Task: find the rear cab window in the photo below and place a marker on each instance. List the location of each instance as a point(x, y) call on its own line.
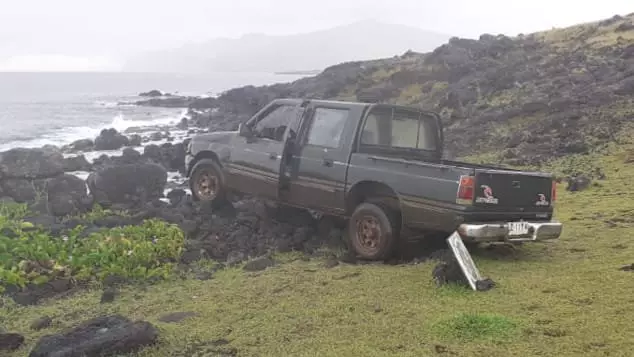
point(403, 132)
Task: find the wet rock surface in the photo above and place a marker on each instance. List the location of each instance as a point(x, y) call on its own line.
point(102, 336)
point(10, 341)
point(80, 145)
point(448, 271)
point(67, 195)
point(128, 184)
point(33, 294)
point(76, 163)
point(151, 93)
point(29, 164)
point(578, 183)
point(111, 139)
point(627, 267)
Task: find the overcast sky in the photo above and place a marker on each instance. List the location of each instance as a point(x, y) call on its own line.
point(98, 34)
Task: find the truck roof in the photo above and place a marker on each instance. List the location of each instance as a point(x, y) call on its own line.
point(355, 104)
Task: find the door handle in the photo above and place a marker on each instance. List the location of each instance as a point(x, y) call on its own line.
point(273, 156)
point(327, 162)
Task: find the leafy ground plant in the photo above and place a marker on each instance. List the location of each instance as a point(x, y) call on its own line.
point(28, 255)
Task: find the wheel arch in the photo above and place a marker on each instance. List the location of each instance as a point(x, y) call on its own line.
point(373, 191)
point(204, 154)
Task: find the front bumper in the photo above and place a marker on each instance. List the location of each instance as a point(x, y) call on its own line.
point(500, 232)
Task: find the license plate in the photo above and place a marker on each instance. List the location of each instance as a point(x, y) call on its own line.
point(518, 228)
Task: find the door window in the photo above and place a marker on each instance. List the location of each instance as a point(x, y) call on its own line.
point(273, 125)
point(327, 126)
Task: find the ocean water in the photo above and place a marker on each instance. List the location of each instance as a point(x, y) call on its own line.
point(37, 109)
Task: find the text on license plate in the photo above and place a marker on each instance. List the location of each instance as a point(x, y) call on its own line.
point(518, 228)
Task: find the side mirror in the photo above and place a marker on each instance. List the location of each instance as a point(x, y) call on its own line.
point(244, 130)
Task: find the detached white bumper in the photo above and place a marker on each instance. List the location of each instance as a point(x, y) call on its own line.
point(505, 232)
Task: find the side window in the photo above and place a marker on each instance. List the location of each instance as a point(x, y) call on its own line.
point(327, 127)
point(406, 130)
point(273, 125)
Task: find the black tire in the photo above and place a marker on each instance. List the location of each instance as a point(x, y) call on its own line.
point(369, 217)
point(199, 182)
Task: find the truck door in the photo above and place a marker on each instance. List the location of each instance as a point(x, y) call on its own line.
point(319, 163)
point(255, 162)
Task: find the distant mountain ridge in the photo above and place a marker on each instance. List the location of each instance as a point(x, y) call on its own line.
point(301, 52)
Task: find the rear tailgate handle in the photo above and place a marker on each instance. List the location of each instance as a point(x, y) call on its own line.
point(516, 184)
point(273, 155)
point(327, 162)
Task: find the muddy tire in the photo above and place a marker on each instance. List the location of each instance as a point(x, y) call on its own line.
point(207, 183)
point(372, 231)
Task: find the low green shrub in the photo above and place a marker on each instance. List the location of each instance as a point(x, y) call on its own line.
point(134, 252)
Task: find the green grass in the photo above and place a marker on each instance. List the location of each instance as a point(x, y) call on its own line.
point(477, 327)
point(566, 298)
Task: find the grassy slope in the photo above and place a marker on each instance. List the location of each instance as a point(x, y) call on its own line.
point(566, 298)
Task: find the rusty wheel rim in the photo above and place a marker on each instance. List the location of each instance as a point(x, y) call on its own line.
point(369, 233)
point(206, 186)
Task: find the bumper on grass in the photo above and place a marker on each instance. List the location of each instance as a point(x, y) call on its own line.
point(501, 232)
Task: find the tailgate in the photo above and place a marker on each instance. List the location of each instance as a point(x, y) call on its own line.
point(506, 189)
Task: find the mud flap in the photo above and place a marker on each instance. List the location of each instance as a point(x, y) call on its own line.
point(468, 267)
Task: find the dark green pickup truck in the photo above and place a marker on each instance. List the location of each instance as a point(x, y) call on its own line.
point(379, 165)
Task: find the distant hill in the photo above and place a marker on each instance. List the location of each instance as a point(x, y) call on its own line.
point(302, 52)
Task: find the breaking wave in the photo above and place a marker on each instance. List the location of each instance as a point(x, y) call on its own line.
point(70, 134)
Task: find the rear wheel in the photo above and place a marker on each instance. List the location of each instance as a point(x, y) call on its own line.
point(373, 230)
point(207, 182)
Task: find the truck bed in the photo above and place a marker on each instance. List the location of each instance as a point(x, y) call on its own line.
point(499, 194)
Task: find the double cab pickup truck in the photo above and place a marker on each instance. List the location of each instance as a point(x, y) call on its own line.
point(379, 166)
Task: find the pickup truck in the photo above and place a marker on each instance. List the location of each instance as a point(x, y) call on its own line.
point(379, 166)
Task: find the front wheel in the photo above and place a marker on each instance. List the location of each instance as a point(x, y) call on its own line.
point(372, 231)
point(207, 182)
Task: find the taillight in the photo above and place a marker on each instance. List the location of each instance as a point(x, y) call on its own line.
point(465, 190)
point(553, 193)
